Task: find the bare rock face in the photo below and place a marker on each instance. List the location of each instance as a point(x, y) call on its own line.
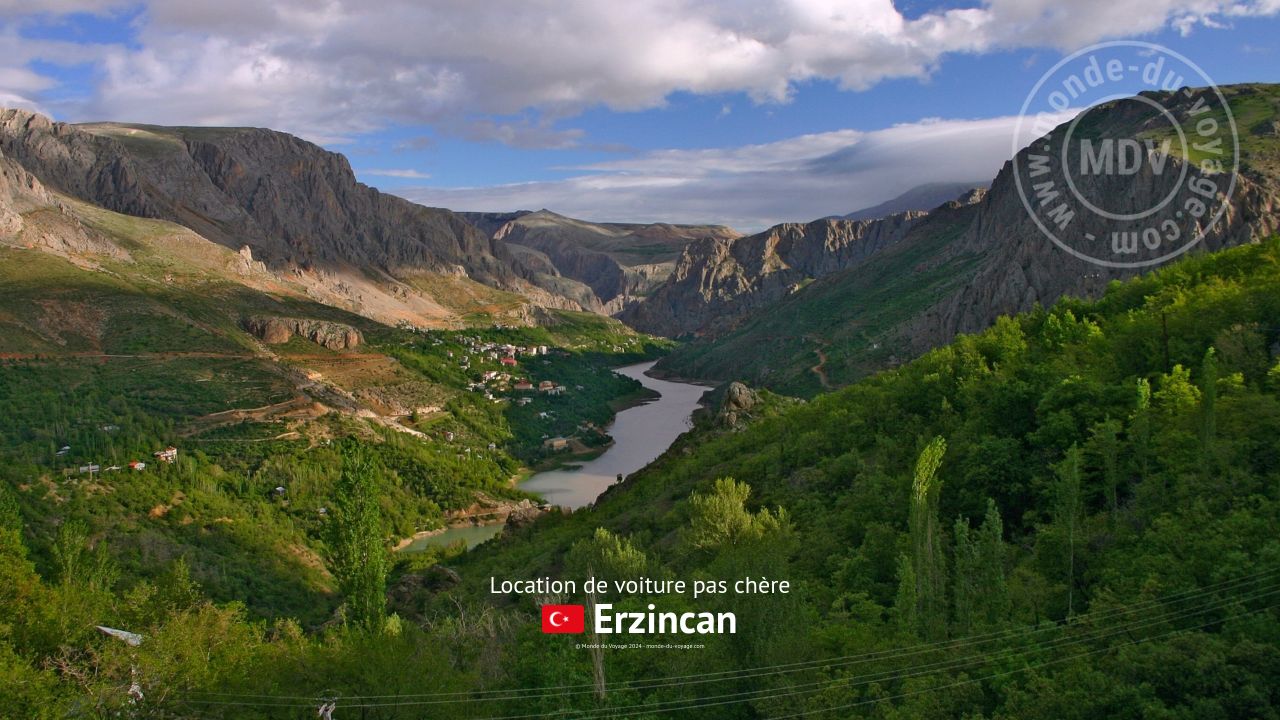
point(522, 517)
point(32, 217)
point(277, 330)
point(739, 401)
point(291, 202)
point(618, 262)
point(717, 282)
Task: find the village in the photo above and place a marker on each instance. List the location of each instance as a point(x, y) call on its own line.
point(514, 374)
point(168, 455)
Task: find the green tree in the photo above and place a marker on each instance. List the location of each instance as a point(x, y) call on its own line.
point(929, 563)
point(720, 518)
point(1208, 401)
point(1105, 443)
point(979, 590)
point(1068, 509)
point(358, 553)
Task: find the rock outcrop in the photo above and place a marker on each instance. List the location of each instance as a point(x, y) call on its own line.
point(292, 202)
point(278, 330)
point(618, 262)
point(962, 266)
point(717, 281)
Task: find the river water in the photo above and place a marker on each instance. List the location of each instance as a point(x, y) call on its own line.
point(640, 434)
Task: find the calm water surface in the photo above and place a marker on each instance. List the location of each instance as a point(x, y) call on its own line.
point(640, 434)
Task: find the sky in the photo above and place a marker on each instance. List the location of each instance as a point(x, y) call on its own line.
point(745, 113)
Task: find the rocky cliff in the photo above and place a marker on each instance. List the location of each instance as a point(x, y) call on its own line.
point(277, 330)
point(293, 203)
point(719, 281)
point(965, 264)
point(618, 262)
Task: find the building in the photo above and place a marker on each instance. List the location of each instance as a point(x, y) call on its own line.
point(168, 454)
point(137, 465)
point(555, 444)
point(524, 385)
point(508, 361)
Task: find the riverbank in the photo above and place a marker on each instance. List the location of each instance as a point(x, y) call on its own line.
point(648, 422)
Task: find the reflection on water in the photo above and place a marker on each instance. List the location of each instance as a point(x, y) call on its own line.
point(640, 435)
point(473, 534)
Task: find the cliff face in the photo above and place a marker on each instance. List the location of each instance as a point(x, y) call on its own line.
point(292, 202)
point(32, 217)
point(277, 330)
point(717, 282)
point(964, 265)
point(618, 262)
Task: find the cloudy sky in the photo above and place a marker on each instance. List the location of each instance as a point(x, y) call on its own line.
point(747, 112)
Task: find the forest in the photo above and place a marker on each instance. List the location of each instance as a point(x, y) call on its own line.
point(1069, 515)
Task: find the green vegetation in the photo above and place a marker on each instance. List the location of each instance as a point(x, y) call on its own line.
point(1126, 478)
point(778, 348)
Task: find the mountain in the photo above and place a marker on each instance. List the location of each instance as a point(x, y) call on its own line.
point(957, 271)
point(614, 263)
point(718, 281)
point(921, 197)
point(286, 203)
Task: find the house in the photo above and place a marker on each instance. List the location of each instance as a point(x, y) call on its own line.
point(91, 469)
point(524, 401)
point(556, 444)
point(63, 450)
point(556, 391)
point(508, 361)
point(545, 385)
point(137, 465)
point(542, 349)
point(524, 385)
point(168, 454)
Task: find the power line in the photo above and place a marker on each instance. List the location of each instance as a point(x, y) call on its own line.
point(746, 673)
point(910, 671)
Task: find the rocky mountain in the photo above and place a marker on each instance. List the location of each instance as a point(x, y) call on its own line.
point(921, 197)
point(615, 263)
point(959, 268)
point(718, 281)
point(296, 207)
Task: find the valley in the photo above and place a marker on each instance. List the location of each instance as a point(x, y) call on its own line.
point(280, 444)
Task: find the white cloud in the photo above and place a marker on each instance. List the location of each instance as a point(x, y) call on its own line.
point(395, 173)
point(333, 68)
point(754, 186)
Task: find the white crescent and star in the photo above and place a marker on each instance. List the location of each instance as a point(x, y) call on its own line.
point(552, 619)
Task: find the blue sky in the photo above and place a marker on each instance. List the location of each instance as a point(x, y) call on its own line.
point(689, 111)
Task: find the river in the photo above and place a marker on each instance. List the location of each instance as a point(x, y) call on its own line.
point(640, 434)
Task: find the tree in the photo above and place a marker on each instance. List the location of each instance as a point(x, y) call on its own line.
point(1106, 444)
point(1067, 511)
point(357, 551)
point(720, 518)
point(929, 563)
point(980, 593)
point(1208, 398)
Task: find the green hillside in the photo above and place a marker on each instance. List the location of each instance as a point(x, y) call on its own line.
point(1071, 514)
point(139, 343)
point(845, 326)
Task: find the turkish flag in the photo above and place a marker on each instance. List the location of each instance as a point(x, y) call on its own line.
point(564, 619)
